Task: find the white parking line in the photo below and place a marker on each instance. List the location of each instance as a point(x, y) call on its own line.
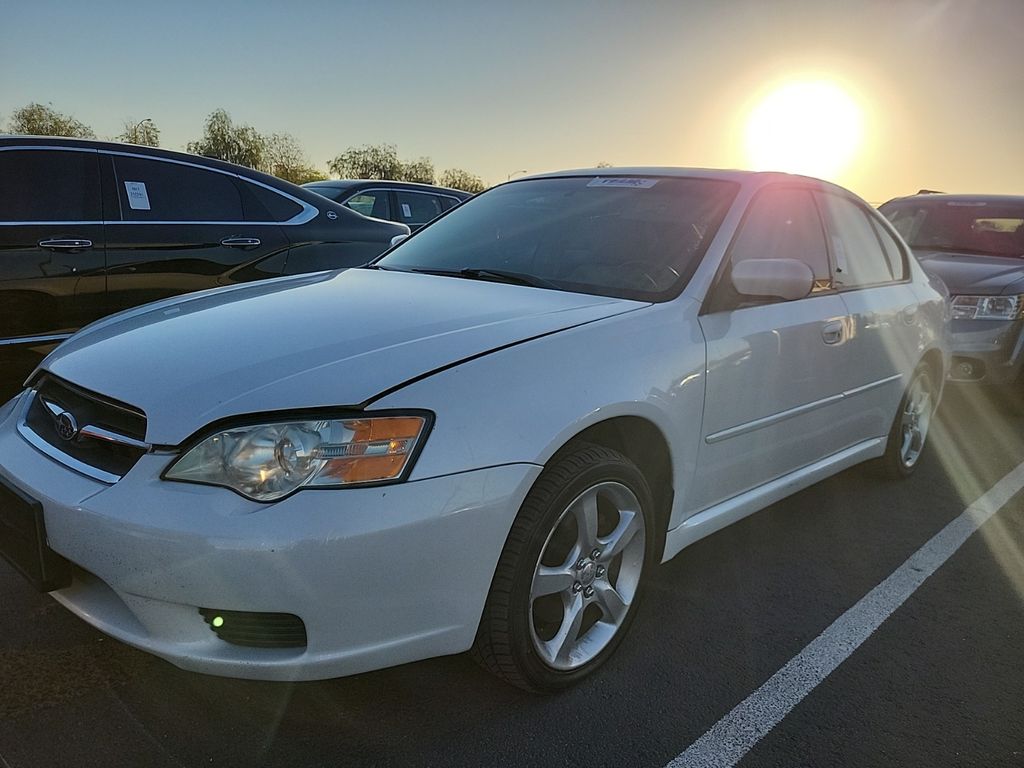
point(726, 743)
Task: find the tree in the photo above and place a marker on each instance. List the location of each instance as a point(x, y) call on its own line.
point(285, 159)
point(378, 161)
point(223, 140)
point(42, 120)
point(603, 164)
point(456, 178)
point(143, 133)
point(421, 170)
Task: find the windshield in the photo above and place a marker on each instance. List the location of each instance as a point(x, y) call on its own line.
point(950, 225)
point(636, 238)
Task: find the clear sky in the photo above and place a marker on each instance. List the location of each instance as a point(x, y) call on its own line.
point(496, 88)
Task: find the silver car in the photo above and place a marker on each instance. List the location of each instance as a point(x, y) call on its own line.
point(484, 440)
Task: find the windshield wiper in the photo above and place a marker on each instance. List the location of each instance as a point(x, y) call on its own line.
point(491, 275)
point(382, 268)
point(505, 276)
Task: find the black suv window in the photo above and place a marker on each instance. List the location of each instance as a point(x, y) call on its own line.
point(417, 207)
point(152, 190)
point(372, 202)
point(784, 224)
point(49, 185)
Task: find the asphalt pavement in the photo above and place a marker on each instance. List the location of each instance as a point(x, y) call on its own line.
point(938, 684)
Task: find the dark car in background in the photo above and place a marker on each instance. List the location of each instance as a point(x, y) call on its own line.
point(88, 228)
point(975, 245)
point(401, 201)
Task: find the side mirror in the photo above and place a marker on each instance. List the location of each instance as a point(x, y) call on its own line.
point(772, 278)
point(397, 239)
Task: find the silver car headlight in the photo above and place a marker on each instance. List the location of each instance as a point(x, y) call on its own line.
point(266, 462)
point(987, 307)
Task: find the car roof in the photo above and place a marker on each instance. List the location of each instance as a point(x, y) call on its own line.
point(138, 149)
point(944, 197)
point(410, 185)
point(746, 178)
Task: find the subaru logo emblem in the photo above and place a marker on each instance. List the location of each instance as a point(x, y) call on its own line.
point(67, 427)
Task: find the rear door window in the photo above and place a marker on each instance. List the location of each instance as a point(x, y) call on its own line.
point(417, 207)
point(44, 185)
point(153, 190)
point(860, 260)
point(893, 252)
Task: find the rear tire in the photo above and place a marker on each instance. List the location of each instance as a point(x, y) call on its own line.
point(910, 427)
point(569, 580)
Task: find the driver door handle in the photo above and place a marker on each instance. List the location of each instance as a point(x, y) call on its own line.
point(832, 332)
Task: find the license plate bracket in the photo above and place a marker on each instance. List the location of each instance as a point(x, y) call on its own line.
point(23, 541)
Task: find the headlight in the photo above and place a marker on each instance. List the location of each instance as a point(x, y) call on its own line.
point(266, 462)
point(987, 307)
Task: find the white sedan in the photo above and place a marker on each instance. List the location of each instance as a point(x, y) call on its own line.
point(485, 440)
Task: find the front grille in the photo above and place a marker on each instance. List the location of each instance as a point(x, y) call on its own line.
point(88, 409)
point(257, 630)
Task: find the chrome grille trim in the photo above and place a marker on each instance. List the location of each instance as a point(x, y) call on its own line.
point(59, 456)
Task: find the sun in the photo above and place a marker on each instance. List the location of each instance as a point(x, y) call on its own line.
point(811, 127)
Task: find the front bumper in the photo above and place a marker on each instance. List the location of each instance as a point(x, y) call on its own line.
point(380, 576)
point(987, 352)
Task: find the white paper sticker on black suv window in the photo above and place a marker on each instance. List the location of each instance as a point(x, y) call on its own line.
point(622, 181)
point(138, 198)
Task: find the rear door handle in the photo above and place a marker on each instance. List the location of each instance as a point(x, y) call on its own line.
point(832, 333)
point(241, 242)
point(69, 244)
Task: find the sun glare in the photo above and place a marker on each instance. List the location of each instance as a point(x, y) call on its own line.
point(808, 127)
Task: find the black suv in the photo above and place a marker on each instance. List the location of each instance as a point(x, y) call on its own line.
point(403, 201)
point(88, 228)
point(975, 244)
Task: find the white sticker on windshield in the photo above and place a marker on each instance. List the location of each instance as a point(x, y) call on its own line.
point(623, 181)
point(138, 198)
point(406, 211)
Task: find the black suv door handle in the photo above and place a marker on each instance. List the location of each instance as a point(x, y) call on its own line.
point(70, 244)
point(241, 242)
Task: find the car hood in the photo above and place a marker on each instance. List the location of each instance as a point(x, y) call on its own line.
point(328, 339)
point(971, 273)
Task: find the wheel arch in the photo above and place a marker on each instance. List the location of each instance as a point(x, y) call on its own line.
point(641, 441)
point(936, 363)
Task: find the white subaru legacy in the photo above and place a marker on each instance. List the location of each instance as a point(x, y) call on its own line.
point(486, 439)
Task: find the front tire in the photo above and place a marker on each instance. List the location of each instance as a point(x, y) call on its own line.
point(568, 582)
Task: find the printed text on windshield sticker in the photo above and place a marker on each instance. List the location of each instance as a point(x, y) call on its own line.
point(622, 181)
